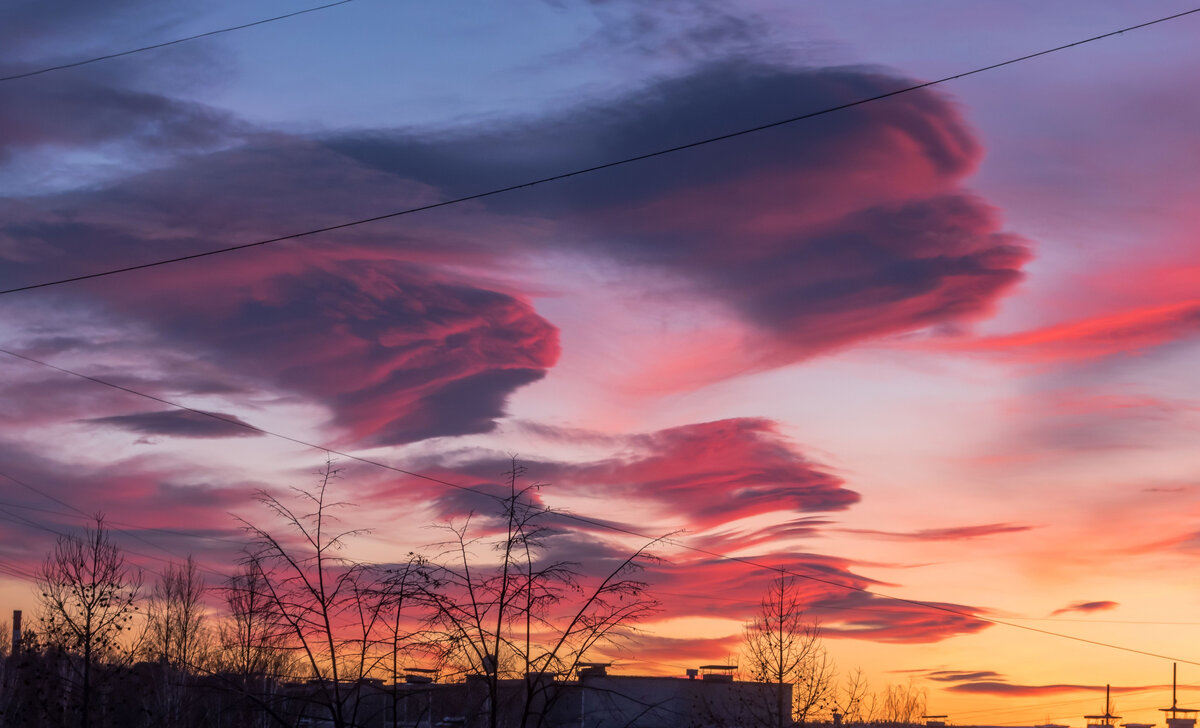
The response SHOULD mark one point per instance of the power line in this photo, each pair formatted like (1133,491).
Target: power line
(1057,703)
(593,523)
(6,515)
(686,595)
(108,56)
(588,170)
(135,526)
(839,608)
(14,518)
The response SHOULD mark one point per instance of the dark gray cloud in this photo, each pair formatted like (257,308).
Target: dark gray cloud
(818,236)
(180,423)
(842,228)
(961,675)
(81,113)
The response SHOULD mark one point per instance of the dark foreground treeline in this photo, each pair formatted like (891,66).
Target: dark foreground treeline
(300,635)
(488,629)
(41,688)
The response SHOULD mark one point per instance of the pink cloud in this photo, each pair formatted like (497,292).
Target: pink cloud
(714,473)
(1128,333)
(702,475)
(953,533)
(671,655)
(815,237)
(835,597)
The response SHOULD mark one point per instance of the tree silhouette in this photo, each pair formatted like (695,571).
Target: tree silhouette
(87,599)
(521,614)
(783,646)
(322,604)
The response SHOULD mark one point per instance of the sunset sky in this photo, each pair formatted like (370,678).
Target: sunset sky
(941,347)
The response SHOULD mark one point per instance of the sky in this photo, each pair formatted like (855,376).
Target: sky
(939,347)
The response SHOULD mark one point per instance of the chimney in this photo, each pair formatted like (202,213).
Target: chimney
(16,635)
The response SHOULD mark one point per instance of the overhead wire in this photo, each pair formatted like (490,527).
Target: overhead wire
(841,608)
(598,524)
(108,56)
(107,519)
(586,170)
(11,517)
(6,515)
(628,160)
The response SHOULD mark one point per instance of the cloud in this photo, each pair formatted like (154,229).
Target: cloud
(709,477)
(734,538)
(157,509)
(1075,419)
(1127,333)
(1099,606)
(700,476)
(996,687)
(990,682)
(47,29)
(814,237)
(817,236)
(961,675)
(955,533)
(181,423)
(836,597)
(398,355)
(869,617)
(673,654)
(394,353)
(81,113)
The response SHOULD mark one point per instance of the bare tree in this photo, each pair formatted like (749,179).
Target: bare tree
(522,614)
(177,639)
(902,704)
(252,640)
(851,700)
(87,597)
(175,622)
(400,599)
(319,599)
(783,646)
(253,650)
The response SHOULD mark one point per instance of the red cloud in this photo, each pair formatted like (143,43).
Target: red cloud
(701,476)
(817,236)
(833,595)
(1125,333)
(397,354)
(713,473)
(655,655)
(154,513)
(955,533)
(706,476)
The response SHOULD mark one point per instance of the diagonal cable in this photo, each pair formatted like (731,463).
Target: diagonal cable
(586,170)
(599,524)
(86,61)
